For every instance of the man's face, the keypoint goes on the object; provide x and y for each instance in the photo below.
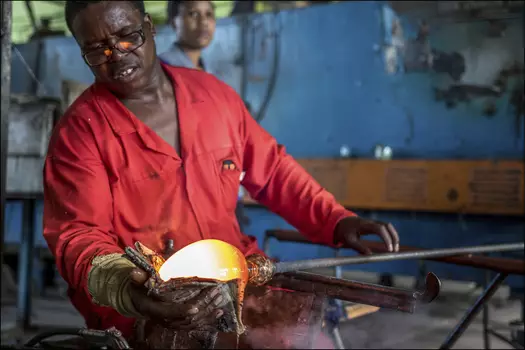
(101, 26)
(195, 23)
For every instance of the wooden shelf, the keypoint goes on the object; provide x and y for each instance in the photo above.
(448, 186)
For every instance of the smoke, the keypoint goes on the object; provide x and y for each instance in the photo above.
(281, 319)
(283, 336)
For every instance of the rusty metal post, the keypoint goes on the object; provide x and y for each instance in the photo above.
(480, 303)
(6, 95)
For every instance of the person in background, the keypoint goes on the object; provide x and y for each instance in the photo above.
(194, 24)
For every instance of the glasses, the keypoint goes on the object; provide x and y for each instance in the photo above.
(125, 44)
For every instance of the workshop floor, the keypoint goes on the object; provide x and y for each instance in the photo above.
(385, 329)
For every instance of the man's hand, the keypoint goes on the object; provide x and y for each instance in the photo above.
(349, 231)
(200, 311)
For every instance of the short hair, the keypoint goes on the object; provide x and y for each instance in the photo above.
(73, 8)
(173, 9)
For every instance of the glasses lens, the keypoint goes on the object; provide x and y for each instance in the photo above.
(95, 58)
(130, 42)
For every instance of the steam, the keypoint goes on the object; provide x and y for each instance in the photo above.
(294, 337)
(282, 335)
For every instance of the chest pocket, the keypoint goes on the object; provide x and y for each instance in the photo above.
(228, 170)
(138, 162)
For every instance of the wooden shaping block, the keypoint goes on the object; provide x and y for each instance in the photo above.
(449, 186)
(353, 310)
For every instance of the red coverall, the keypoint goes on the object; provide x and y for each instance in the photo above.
(109, 181)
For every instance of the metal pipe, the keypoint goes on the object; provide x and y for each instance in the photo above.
(25, 265)
(245, 25)
(497, 264)
(486, 316)
(501, 337)
(6, 94)
(474, 311)
(31, 14)
(364, 259)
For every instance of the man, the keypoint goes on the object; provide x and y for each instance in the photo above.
(153, 153)
(194, 24)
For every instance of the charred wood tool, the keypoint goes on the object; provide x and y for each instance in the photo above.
(359, 292)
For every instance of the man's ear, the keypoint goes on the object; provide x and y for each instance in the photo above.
(173, 23)
(149, 21)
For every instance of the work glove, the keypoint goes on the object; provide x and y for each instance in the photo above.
(116, 282)
(191, 308)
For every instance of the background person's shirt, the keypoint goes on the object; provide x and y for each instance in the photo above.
(176, 57)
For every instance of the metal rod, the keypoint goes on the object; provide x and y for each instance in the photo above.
(31, 13)
(474, 311)
(363, 259)
(6, 93)
(496, 264)
(25, 264)
(486, 316)
(501, 337)
(338, 340)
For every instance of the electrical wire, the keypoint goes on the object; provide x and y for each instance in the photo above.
(60, 331)
(272, 80)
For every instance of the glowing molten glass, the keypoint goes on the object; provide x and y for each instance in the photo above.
(209, 258)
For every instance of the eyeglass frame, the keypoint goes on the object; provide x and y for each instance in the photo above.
(140, 31)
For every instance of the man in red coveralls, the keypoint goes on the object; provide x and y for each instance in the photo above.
(153, 153)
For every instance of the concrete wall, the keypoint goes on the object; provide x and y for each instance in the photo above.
(332, 89)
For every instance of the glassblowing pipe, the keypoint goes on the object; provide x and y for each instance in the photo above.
(508, 265)
(261, 270)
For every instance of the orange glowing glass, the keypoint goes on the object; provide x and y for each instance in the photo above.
(209, 258)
